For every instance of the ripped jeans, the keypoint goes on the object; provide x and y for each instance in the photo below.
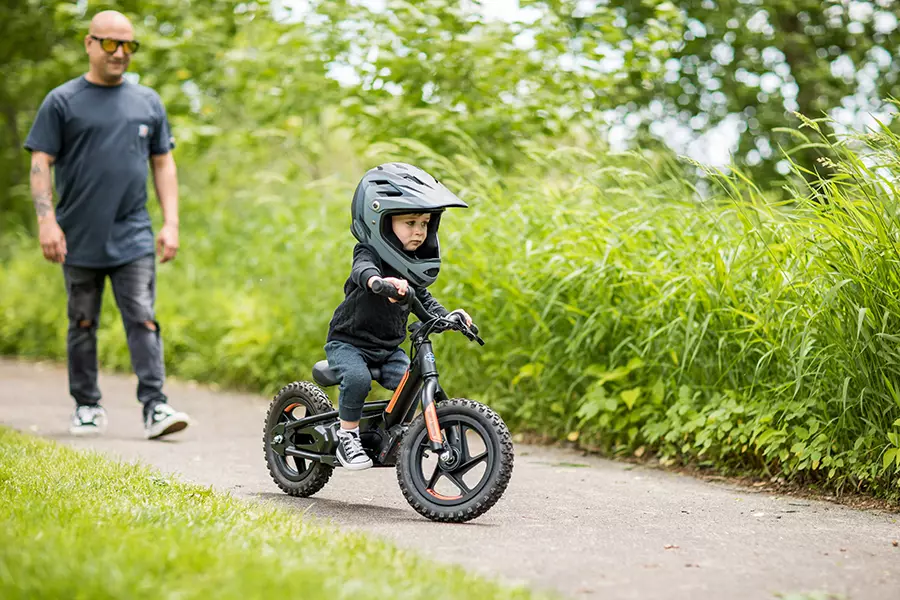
(134, 288)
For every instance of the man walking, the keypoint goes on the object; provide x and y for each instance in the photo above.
(99, 133)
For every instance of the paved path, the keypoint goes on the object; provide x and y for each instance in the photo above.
(586, 527)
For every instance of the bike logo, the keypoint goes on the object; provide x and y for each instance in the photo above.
(430, 357)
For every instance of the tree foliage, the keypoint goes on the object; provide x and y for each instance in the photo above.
(441, 73)
(762, 60)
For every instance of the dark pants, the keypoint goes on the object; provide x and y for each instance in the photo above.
(351, 366)
(134, 287)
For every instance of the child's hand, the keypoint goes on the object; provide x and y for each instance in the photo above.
(401, 284)
(464, 315)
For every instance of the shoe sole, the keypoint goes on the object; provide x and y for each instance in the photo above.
(355, 467)
(173, 427)
(88, 431)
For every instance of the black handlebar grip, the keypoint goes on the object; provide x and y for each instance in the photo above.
(383, 288)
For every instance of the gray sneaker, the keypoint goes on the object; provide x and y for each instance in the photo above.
(163, 420)
(350, 452)
(88, 420)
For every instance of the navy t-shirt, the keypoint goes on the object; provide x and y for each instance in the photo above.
(102, 138)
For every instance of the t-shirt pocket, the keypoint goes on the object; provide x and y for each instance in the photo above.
(140, 131)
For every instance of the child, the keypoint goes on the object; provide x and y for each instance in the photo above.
(396, 212)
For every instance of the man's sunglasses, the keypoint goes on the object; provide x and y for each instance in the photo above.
(110, 45)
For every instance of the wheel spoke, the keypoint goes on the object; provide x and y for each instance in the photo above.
(453, 435)
(456, 436)
(470, 464)
(434, 476)
(299, 464)
(463, 444)
(457, 482)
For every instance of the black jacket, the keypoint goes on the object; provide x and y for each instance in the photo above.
(367, 320)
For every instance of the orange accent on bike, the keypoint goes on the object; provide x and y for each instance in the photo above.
(431, 422)
(396, 395)
(441, 496)
(292, 407)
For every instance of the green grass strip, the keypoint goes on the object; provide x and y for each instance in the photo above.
(77, 525)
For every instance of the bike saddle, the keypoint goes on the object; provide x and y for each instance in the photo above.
(324, 376)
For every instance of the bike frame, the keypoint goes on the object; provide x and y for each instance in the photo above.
(419, 387)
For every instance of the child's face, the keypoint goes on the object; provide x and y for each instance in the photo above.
(411, 229)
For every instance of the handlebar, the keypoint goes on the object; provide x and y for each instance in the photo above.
(451, 321)
(383, 288)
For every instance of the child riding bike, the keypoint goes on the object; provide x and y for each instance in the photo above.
(396, 212)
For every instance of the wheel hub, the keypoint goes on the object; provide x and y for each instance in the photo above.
(449, 458)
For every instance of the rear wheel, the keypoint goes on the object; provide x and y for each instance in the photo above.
(468, 482)
(294, 475)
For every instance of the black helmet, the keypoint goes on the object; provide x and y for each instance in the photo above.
(399, 188)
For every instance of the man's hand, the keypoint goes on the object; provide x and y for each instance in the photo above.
(53, 241)
(167, 243)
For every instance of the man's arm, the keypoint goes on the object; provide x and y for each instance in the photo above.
(42, 186)
(52, 238)
(165, 180)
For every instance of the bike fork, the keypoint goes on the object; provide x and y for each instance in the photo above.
(430, 391)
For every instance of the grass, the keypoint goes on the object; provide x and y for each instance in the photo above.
(621, 312)
(76, 525)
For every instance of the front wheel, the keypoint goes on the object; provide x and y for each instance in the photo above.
(471, 478)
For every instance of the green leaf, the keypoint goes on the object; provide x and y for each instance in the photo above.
(606, 376)
(658, 392)
(529, 370)
(801, 434)
(889, 457)
(629, 397)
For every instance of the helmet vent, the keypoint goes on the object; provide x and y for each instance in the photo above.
(386, 188)
(415, 179)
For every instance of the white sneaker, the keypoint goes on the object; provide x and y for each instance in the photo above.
(163, 420)
(350, 451)
(88, 420)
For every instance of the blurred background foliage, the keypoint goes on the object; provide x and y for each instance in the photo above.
(682, 239)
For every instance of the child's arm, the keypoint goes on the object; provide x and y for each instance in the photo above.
(365, 266)
(430, 304)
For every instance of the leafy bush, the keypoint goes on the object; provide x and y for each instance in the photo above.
(619, 311)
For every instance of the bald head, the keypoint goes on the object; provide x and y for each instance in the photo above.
(108, 28)
(109, 21)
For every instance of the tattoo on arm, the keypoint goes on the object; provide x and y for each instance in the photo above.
(41, 188)
(43, 203)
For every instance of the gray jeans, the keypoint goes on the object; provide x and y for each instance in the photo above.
(351, 366)
(134, 288)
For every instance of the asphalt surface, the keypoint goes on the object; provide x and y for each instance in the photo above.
(581, 526)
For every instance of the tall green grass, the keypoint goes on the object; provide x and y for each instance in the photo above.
(620, 310)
